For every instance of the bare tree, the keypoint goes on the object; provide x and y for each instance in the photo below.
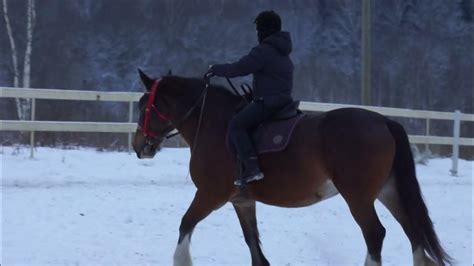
(29, 41)
(23, 105)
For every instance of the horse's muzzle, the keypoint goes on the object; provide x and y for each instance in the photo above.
(147, 152)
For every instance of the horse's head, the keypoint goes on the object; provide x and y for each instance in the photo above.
(154, 122)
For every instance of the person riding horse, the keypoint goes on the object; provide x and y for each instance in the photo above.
(272, 70)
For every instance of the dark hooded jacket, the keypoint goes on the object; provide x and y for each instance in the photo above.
(271, 66)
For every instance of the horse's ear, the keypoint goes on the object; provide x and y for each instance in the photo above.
(148, 82)
(169, 73)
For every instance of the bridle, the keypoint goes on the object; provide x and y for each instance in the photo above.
(153, 136)
(150, 106)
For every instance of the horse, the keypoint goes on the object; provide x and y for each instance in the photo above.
(359, 154)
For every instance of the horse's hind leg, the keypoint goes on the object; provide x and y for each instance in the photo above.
(199, 209)
(373, 231)
(248, 220)
(390, 198)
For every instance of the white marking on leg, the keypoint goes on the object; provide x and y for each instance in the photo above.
(370, 262)
(182, 255)
(327, 190)
(421, 259)
(388, 191)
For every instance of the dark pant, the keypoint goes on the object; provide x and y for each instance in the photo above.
(243, 122)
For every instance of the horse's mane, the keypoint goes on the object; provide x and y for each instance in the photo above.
(195, 86)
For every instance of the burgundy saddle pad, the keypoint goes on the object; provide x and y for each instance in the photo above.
(273, 135)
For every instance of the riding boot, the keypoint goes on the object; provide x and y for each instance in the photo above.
(251, 172)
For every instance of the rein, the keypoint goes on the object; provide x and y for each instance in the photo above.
(200, 116)
(237, 92)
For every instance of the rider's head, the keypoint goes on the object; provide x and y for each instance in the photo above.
(268, 22)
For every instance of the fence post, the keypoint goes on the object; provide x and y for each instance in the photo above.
(130, 118)
(427, 147)
(456, 135)
(32, 133)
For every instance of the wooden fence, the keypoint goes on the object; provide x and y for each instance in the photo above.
(128, 127)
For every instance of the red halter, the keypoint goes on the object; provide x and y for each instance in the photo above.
(150, 105)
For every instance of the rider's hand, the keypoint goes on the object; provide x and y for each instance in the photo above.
(209, 74)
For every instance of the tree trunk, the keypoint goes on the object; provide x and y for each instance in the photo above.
(29, 39)
(23, 106)
(31, 19)
(16, 73)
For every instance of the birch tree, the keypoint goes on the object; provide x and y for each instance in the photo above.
(21, 78)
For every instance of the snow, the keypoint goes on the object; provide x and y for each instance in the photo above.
(83, 207)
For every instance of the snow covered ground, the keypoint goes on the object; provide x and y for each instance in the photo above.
(82, 207)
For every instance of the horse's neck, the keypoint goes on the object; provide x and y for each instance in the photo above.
(217, 112)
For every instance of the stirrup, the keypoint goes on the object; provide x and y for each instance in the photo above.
(255, 177)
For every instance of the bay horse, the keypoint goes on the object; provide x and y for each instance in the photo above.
(359, 154)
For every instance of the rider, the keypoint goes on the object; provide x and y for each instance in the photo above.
(272, 70)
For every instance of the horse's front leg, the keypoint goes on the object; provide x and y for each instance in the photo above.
(199, 209)
(248, 220)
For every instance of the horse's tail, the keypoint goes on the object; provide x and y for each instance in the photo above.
(411, 198)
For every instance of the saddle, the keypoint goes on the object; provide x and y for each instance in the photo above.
(274, 134)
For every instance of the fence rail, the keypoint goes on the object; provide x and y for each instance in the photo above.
(131, 97)
(115, 127)
(389, 111)
(6, 92)
(66, 126)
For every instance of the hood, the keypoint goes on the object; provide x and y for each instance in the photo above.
(281, 41)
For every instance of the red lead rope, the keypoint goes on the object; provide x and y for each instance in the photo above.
(150, 105)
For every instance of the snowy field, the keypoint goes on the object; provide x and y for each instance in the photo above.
(82, 207)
